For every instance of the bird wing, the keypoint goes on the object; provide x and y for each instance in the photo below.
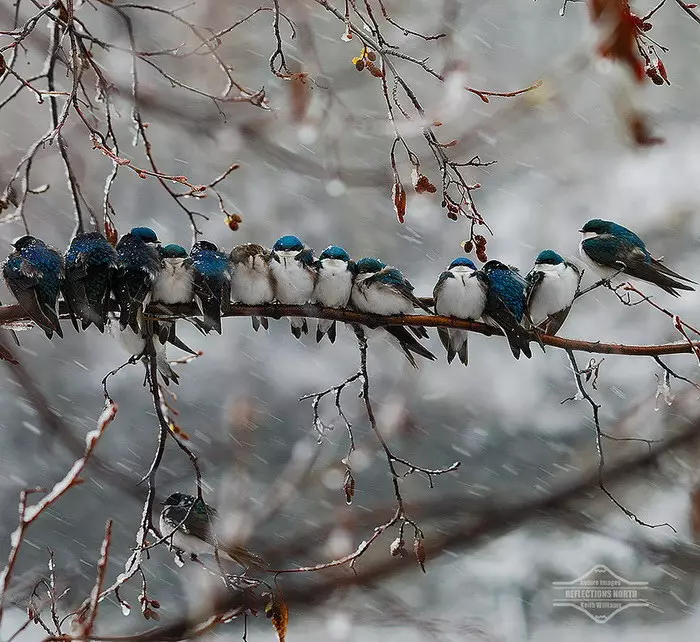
(533, 279)
(440, 283)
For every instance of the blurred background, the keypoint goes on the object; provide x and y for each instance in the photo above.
(563, 156)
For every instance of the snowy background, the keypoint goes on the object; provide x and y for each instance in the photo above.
(563, 157)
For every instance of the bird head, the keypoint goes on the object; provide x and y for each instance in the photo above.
(462, 262)
(548, 257)
(334, 252)
(596, 226)
(369, 265)
(173, 251)
(24, 241)
(204, 245)
(146, 234)
(178, 499)
(492, 266)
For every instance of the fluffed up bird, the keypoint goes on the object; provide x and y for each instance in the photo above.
(505, 305)
(460, 292)
(212, 282)
(90, 265)
(293, 277)
(381, 289)
(552, 285)
(191, 525)
(333, 286)
(610, 248)
(251, 281)
(139, 263)
(33, 273)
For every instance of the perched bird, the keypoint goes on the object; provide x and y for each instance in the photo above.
(460, 292)
(140, 344)
(611, 248)
(505, 305)
(33, 273)
(333, 286)
(293, 277)
(551, 287)
(139, 263)
(381, 289)
(212, 282)
(90, 265)
(191, 525)
(251, 281)
(175, 281)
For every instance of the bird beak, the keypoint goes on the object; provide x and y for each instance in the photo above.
(581, 231)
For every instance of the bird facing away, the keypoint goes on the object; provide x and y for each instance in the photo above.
(552, 285)
(33, 273)
(460, 292)
(212, 282)
(139, 263)
(610, 248)
(333, 286)
(191, 525)
(505, 305)
(251, 281)
(90, 265)
(293, 277)
(381, 289)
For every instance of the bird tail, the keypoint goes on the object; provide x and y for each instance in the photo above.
(668, 280)
(211, 311)
(409, 344)
(326, 327)
(244, 557)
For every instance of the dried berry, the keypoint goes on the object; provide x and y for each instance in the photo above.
(360, 64)
(468, 246)
(371, 56)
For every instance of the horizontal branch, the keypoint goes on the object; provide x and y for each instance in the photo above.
(12, 313)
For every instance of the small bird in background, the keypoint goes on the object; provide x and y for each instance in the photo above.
(460, 292)
(33, 274)
(552, 284)
(333, 286)
(505, 305)
(191, 525)
(381, 289)
(293, 277)
(610, 248)
(139, 263)
(251, 281)
(139, 344)
(90, 264)
(212, 282)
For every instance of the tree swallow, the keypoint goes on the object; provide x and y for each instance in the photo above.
(191, 526)
(333, 286)
(460, 293)
(293, 277)
(611, 248)
(175, 281)
(32, 273)
(505, 305)
(251, 281)
(381, 289)
(90, 265)
(136, 343)
(212, 282)
(551, 287)
(139, 263)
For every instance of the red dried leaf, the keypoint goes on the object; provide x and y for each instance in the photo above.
(349, 487)
(419, 550)
(278, 613)
(398, 196)
(111, 233)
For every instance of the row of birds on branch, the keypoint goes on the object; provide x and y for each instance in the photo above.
(139, 270)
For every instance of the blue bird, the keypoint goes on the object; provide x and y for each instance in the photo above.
(505, 305)
(293, 274)
(212, 282)
(333, 286)
(33, 273)
(552, 284)
(460, 292)
(611, 248)
(139, 263)
(90, 264)
(251, 281)
(382, 289)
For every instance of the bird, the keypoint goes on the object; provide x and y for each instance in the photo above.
(139, 264)
(460, 292)
(90, 265)
(293, 277)
(612, 249)
(142, 341)
(33, 274)
(251, 281)
(212, 282)
(333, 286)
(505, 305)
(191, 525)
(552, 284)
(382, 289)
